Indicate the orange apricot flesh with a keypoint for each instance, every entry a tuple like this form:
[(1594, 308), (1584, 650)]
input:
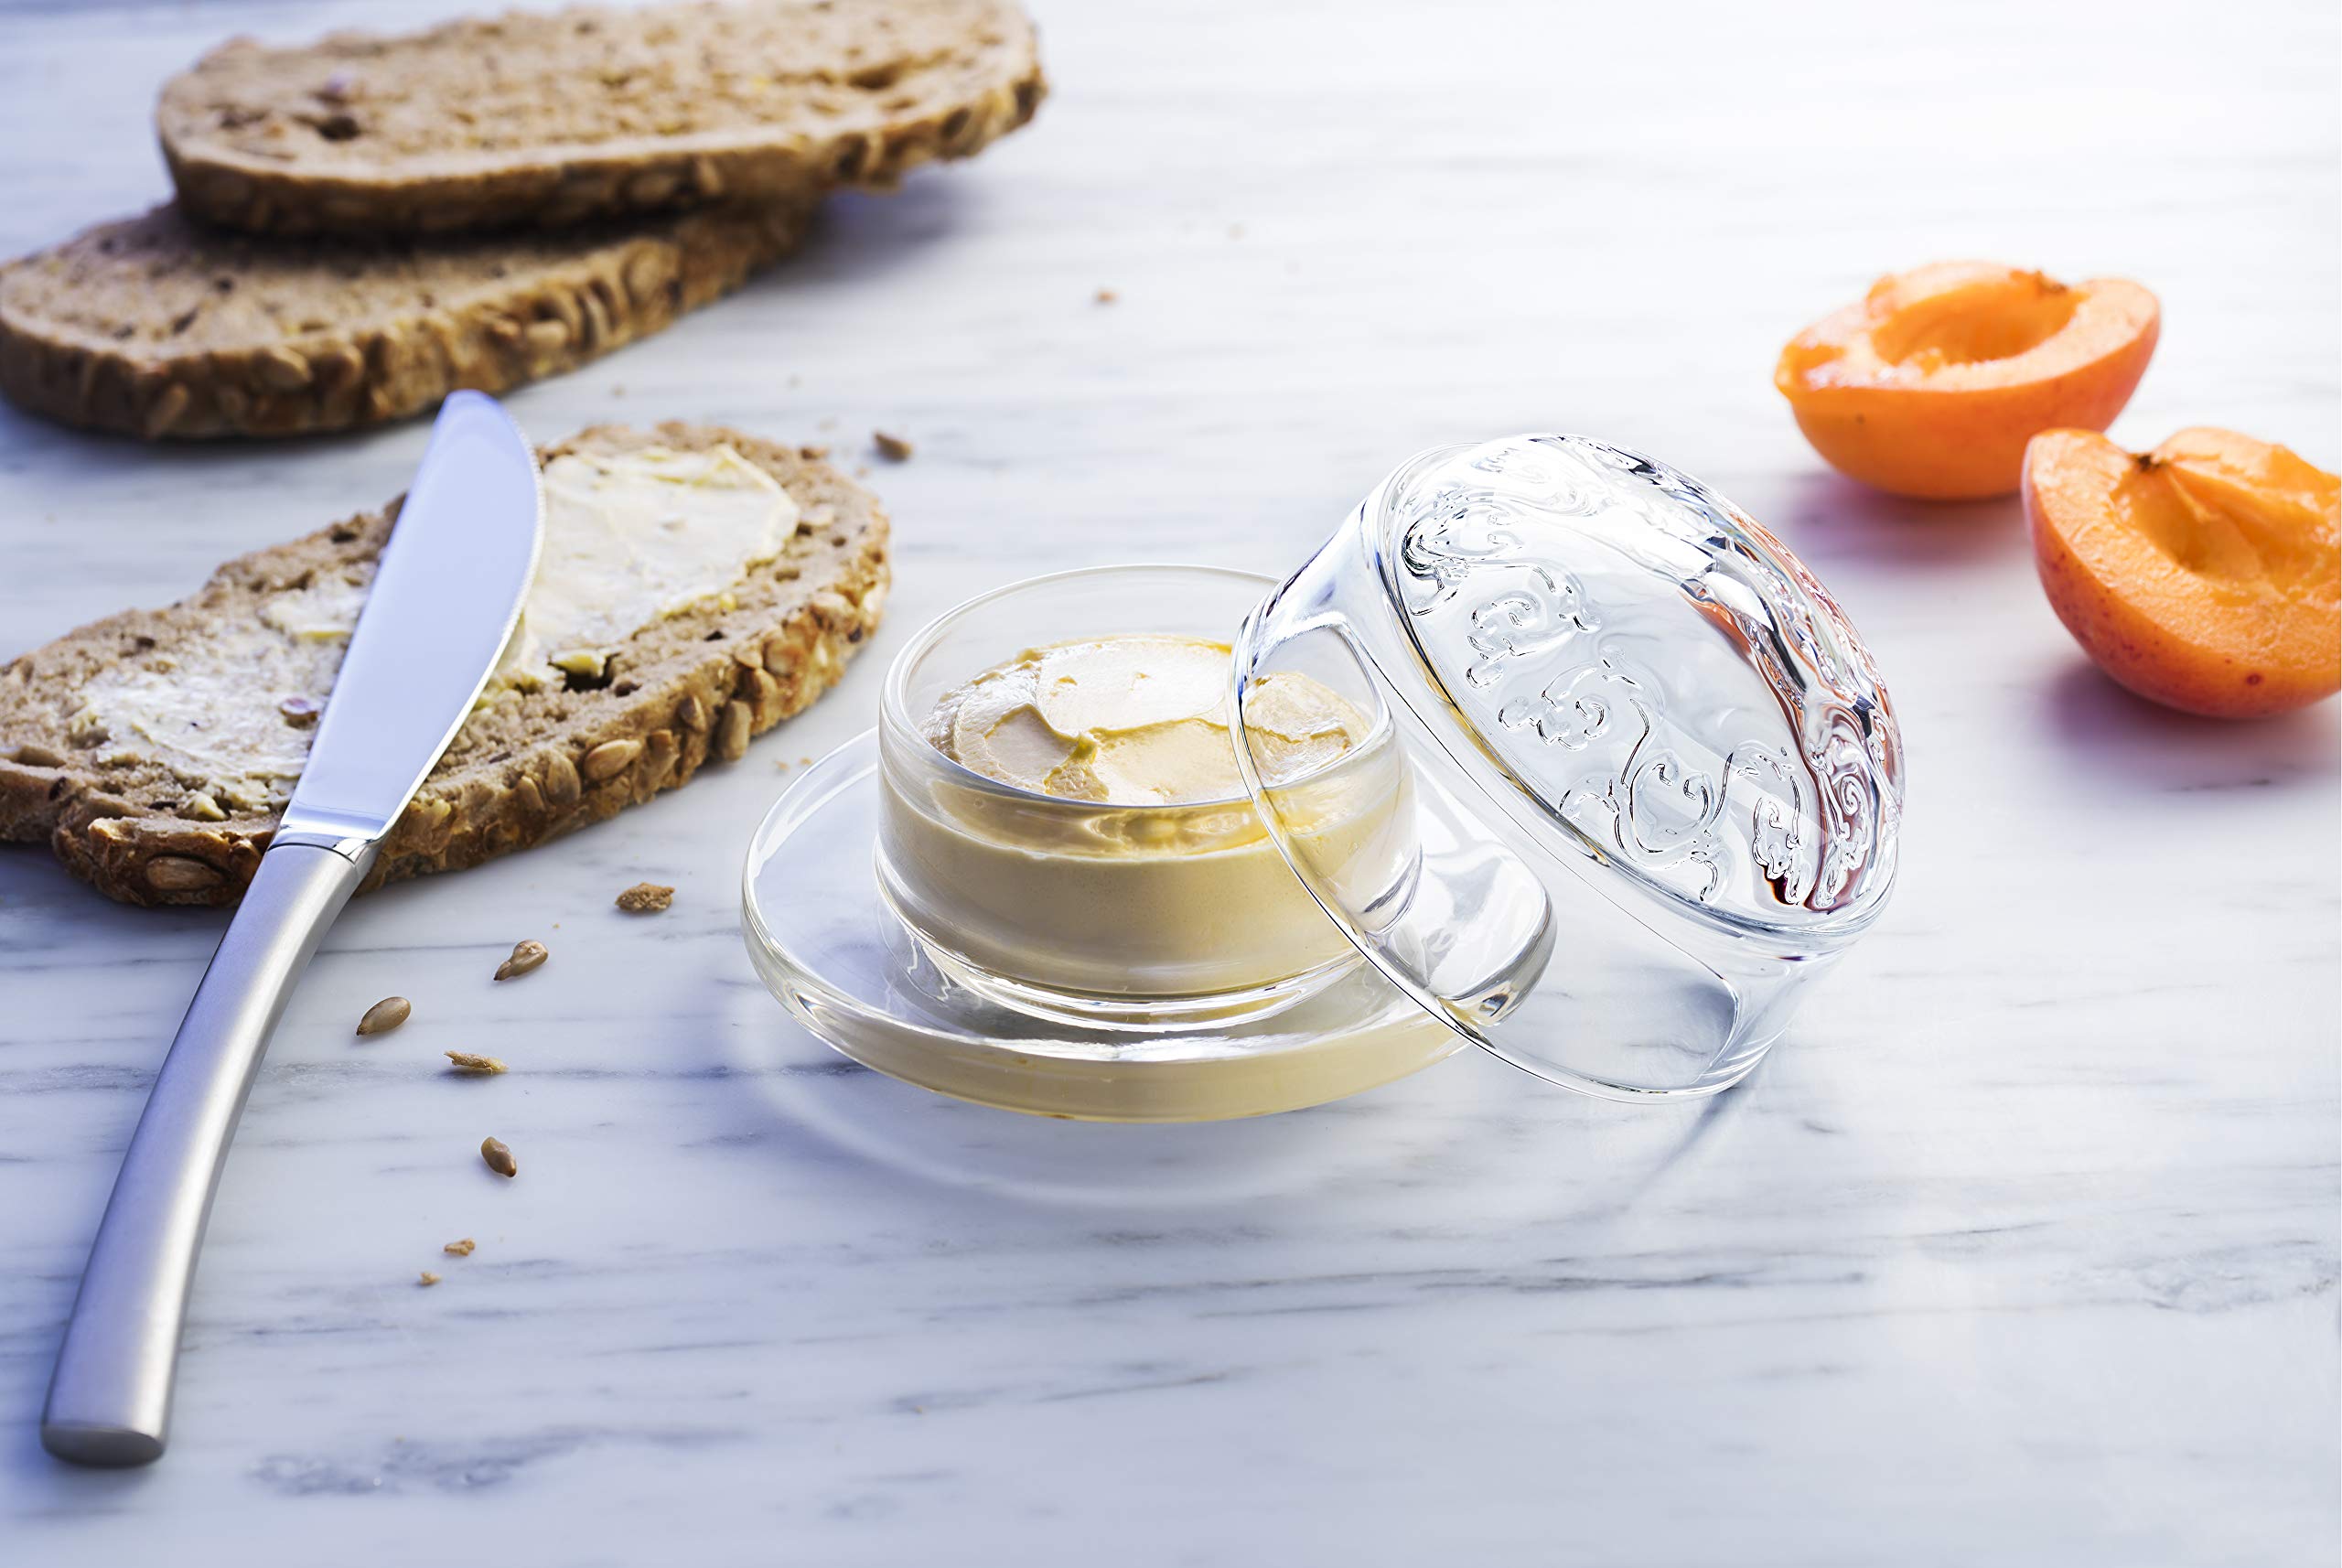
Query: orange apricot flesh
[(1931, 384), (2206, 575)]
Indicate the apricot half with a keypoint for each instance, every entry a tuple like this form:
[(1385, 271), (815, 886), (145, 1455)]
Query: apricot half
[(1932, 384), (2206, 575)]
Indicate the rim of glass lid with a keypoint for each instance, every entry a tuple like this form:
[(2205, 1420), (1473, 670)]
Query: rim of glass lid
[(1508, 597)]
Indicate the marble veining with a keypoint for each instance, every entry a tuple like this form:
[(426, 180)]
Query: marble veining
[(2021, 1249)]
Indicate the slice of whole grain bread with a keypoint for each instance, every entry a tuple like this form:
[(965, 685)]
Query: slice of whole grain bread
[(156, 328), (526, 767), (555, 118)]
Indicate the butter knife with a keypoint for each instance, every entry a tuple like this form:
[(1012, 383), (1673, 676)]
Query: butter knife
[(446, 596)]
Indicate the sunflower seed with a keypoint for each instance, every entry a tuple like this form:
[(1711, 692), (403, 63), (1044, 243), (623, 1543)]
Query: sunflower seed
[(732, 727), (526, 956), (385, 1015), (164, 411), (283, 369), (609, 759), (499, 1158), (177, 873)]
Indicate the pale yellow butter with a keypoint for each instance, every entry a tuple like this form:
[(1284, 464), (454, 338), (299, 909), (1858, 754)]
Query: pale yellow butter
[(632, 539), (214, 710), (1149, 873), (1138, 720), (629, 539)]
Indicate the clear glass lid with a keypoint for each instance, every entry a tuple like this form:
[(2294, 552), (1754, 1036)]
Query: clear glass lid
[(1653, 784)]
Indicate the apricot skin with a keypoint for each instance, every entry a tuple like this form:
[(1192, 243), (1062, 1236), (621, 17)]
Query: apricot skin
[(1931, 384), (2205, 576)]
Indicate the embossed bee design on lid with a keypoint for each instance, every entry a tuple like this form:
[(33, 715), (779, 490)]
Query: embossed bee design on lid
[(1656, 783), (1655, 669)]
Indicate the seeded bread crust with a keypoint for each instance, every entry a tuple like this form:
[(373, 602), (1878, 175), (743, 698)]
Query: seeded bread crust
[(156, 328), (591, 112), (695, 686)]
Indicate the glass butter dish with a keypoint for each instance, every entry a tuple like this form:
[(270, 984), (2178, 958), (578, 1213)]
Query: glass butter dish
[(1626, 782)]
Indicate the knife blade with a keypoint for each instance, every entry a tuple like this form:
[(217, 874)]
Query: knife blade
[(446, 593)]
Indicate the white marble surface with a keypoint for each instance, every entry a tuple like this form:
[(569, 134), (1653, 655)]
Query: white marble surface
[(2023, 1249)]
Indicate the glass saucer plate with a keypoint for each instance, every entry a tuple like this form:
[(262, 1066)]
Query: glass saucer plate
[(825, 942)]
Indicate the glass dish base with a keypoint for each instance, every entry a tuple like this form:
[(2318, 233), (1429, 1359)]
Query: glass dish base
[(830, 947)]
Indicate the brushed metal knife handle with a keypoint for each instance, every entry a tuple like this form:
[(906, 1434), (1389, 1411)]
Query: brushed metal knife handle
[(110, 1400)]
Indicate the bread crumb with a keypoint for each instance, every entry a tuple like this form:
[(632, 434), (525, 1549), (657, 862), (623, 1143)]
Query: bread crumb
[(466, 1062), (462, 1249), (428, 1278), (813, 454), (1107, 296), (646, 898), (894, 449)]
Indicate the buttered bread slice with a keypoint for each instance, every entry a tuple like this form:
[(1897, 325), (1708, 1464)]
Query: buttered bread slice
[(155, 326), (696, 588), (549, 119)]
